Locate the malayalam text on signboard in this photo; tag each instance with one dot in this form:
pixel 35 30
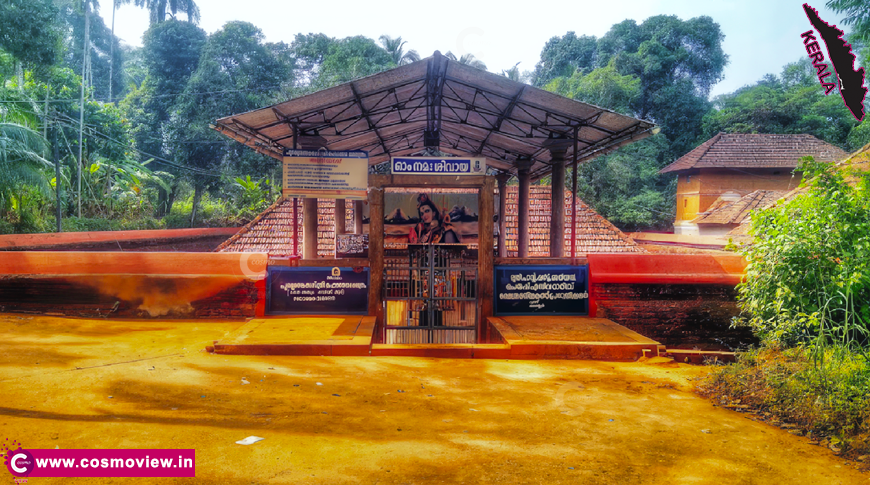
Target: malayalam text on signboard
pixel 438 166
pixel 326 174
pixel 552 290
pixel 318 291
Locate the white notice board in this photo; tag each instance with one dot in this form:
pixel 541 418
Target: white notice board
pixel 326 174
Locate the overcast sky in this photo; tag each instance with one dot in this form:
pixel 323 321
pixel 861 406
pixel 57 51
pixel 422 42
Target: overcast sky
pixel 761 36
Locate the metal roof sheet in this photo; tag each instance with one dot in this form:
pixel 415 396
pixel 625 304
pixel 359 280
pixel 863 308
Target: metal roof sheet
pixel 474 112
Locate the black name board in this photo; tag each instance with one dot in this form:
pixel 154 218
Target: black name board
pixel 544 290
pixel 351 245
pixel 317 291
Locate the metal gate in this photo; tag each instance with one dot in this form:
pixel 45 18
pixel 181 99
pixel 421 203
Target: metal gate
pixel 430 294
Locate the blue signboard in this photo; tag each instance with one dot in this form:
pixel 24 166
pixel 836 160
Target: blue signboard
pixel 541 290
pixel 317 291
pixel 438 166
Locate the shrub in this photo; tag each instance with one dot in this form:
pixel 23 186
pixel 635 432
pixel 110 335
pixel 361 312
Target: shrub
pixel 212 212
pixel 822 394
pixel 808 277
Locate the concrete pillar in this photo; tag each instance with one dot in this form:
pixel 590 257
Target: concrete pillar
pixel 502 179
pixel 309 228
pixel 357 217
pixel 309 205
pixel 340 217
pixel 524 166
pixel 557 147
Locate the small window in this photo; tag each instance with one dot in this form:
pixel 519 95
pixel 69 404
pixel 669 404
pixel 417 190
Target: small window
pixel 688 178
pixel 685 203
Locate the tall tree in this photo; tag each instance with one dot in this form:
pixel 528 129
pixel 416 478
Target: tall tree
pixel 792 103
pixel 677 62
pixel 115 5
pixel 467 59
pixel 29 31
pixel 662 70
pixel 603 87
pixel 237 72
pixel 158 9
pixel 170 55
pixel 562 56
pixel 352 58
pixel 394 48
pixel 100 50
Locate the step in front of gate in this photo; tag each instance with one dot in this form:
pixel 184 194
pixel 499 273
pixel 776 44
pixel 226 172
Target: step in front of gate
pixel 444 351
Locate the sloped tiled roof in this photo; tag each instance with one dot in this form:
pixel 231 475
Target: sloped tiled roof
pixel 595 234
pixel 735 212
pixel 272 231
pixel 734 150
pixel 857 162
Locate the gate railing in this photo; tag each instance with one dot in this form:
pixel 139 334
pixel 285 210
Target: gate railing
pixel 430 294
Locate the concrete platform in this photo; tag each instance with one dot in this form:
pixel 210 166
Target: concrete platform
pixel 566 337
pixel 304 335
pixel 525 337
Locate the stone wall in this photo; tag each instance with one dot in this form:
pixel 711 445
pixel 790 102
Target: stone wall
pixel 682 301
pixel 133 285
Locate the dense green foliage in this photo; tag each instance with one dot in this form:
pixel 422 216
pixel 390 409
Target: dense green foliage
pixel 661 70
pixel 29 31
pixel 789 103
pixel 819 395
pixel 807 296
pixel 808 278
pixel 170 90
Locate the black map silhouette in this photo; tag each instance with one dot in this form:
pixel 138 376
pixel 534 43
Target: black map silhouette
pixel 840 53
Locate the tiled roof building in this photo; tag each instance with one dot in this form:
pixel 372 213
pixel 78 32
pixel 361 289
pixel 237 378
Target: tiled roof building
pixel 730 166
pixel 857 162
pixel 726 214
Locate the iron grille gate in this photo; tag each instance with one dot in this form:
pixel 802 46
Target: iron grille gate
pixel 430 294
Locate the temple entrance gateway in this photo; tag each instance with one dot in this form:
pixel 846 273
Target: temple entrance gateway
pixel 431 237
pixel 431 294
pixel 441 125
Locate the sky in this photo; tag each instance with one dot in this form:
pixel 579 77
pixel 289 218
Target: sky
pixel 761 36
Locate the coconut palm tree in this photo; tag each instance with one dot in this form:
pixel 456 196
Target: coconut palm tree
pixel 468 60
pixel 513 73
pixel 394 48
pixel 21 165
pixel 116 4
pixel 159 8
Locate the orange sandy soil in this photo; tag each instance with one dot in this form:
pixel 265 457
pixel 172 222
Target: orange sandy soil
pixel 131 384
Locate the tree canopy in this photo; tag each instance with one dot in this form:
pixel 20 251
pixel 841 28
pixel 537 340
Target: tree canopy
pixel 791 103
pixel 29 31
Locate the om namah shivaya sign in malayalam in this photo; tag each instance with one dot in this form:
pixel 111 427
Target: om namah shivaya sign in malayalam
pixel 326 174
pixel 438 166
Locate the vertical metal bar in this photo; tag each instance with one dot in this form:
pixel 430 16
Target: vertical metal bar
pixel 431 303
pixel 295 227
pixel 574 198
pixel 295 203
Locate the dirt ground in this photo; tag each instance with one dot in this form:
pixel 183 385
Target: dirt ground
pixel 129 384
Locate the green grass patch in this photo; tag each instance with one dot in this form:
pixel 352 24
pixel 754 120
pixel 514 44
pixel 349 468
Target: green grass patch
pixel 823 394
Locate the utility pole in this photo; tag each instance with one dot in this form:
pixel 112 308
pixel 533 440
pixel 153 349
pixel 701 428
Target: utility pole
pixel 57 174
pixel 112 50
pixel 85 53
